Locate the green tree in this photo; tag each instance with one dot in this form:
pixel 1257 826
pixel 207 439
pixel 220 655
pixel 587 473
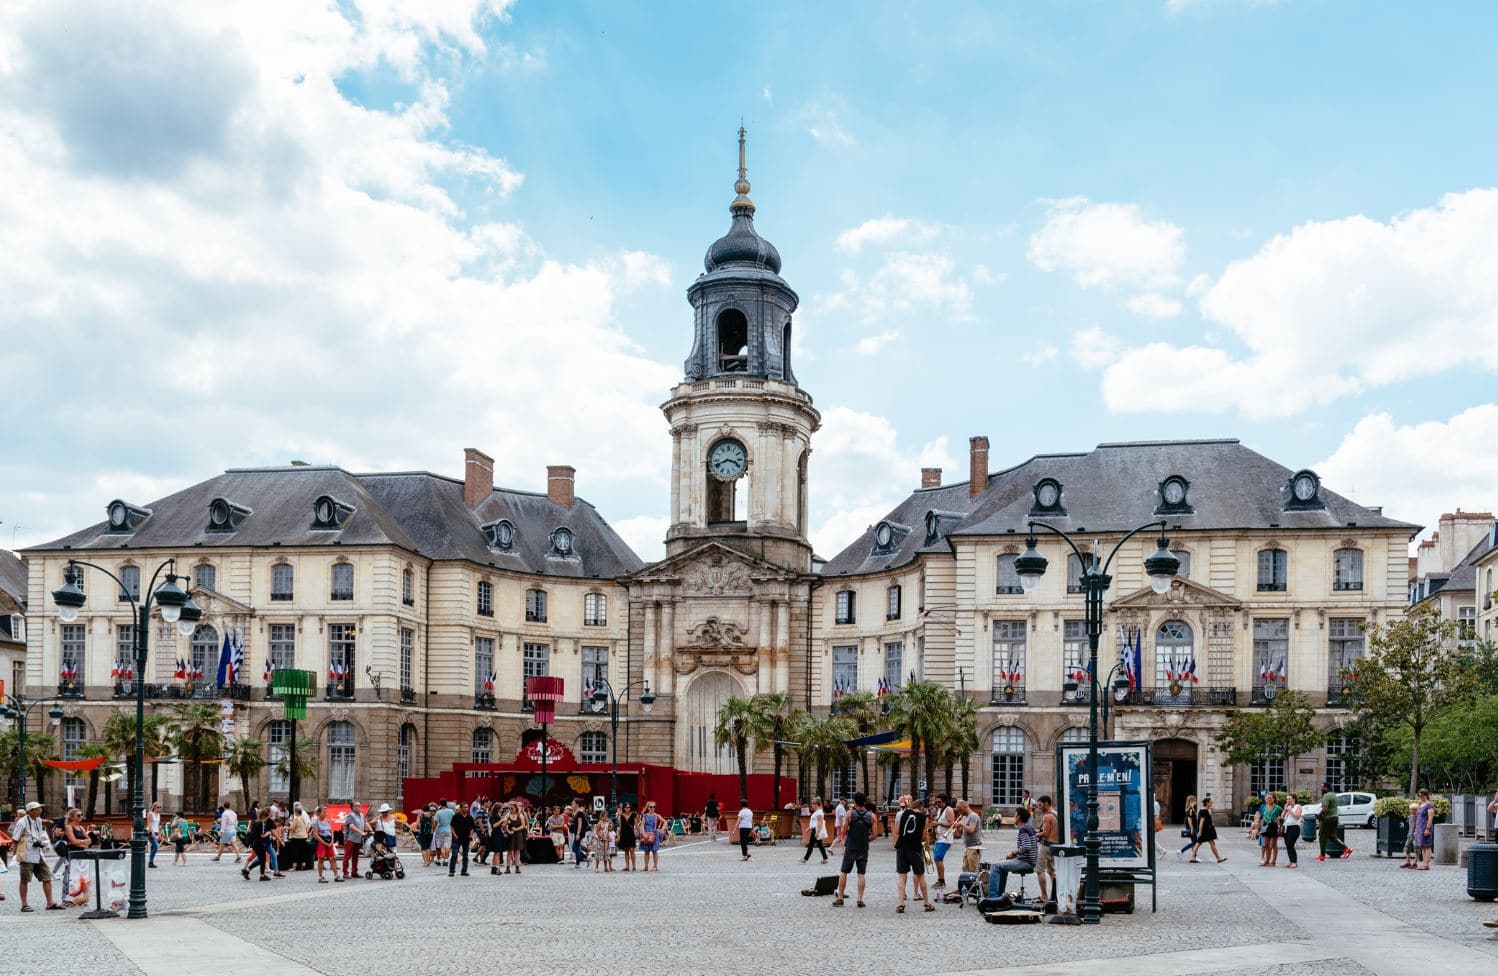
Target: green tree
pixel 734 728
pixel 1283 729
pixel 157 744
pixel 94 750
pixel 822 738
pixel 118 739
pixel 196 736
pixel 964 720
pixel 1460 746
pixel 775 721
pixel 245 758
pixel 1412 675
pixel 919 711
pixel 306 761
pixel 862 711
pixel 38 748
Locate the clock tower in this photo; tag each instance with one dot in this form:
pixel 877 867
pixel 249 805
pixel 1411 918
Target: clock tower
pixel 740 424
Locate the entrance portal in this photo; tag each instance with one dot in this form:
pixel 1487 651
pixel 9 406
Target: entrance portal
pixel 697 720
pixel 1175 776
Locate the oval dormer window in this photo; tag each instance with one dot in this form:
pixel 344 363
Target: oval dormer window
pixel 218 514
pixel 884 535
pixel 325 510
pixel 119 515
pixel 561 541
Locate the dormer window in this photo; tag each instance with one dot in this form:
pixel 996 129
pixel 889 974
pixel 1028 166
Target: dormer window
pixel 561 543
pixel 1303 492
pixel 501 535
pixel 1047 498
pixel 1173 500
pixel 330 513
pixel 933 526
pixel 225 516
pixel 887 537
pixel 124 517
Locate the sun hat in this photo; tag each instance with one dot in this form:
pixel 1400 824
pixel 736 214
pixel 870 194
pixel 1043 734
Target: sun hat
pixel 33 805
pixel 384 808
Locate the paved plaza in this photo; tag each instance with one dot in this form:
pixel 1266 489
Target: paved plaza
pixel 708 912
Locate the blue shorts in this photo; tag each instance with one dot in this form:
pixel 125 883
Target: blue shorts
pixel 939 850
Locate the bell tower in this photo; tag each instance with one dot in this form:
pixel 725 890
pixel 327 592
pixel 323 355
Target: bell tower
pixel 741 426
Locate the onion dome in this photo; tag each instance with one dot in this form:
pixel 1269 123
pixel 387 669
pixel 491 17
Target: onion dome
pixel 742 245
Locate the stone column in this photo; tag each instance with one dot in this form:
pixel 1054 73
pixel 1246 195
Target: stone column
pixel 764 652
pixel 648 639
pixel 783 645
pixel 667 667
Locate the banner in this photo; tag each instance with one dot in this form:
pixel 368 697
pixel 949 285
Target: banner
pixel 1125 802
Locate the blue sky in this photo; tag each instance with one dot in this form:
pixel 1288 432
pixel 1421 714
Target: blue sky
pixel 374 233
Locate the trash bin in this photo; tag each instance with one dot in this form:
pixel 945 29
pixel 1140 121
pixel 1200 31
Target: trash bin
pixel 1069 863
pixel 1308 829
pixel 1393 831
pixel 1482 871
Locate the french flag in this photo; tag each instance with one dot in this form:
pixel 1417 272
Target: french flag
pixel 114 670
pixel 1284 673
pixel 489 681
pixel 268 671
pixel 1191 672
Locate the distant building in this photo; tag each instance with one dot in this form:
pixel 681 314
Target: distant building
pixel 1455 567
pixel 12 622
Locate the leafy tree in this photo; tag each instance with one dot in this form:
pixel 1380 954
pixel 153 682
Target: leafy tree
pixel 118 739
pixel 245 758
pixel 1412 676
pixel 862 711
pixel 157 743
pixel 822 738
pixel 964 735
pixel 195 733
pixel 1284 729
pixel 735 729
pixel 919 711
pixel 1460 746
pixel 38 748
pixel 775 720
pixel 306 762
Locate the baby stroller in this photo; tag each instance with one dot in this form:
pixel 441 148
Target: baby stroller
pixel 383 860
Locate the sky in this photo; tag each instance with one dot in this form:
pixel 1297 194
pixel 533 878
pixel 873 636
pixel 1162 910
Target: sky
pixel 375 232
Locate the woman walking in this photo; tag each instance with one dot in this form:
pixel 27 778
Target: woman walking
pixel 625 835
pixel 322 829
pixel 1206 832
pixel 1188 828
pixel 424 828
pixel 816 831
pixel 257 839
pixel 651 826
pixel 153 833
pixel 1272 811
pixel 1290 828
pixel 181 832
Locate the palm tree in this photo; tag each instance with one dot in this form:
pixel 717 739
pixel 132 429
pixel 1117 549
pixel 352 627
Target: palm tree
pixel 118 740
pixel 245 759
pixel 38 748
pixel 735 729
pixel 861 709
pixel 195 733
pixel 919 711
pixel 94 750
pixel 965 735
pixel 306 761
pixel 157 744
pixel 822 740
pixel 774 720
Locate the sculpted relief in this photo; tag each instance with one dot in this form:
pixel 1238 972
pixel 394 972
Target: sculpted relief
pixel 717 576
pixel 715 633
pixel 716 643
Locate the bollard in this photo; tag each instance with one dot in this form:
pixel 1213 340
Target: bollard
pixel 1447 841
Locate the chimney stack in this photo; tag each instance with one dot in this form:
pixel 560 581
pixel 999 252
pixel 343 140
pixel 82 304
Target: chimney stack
pixel 559 483
pixel 478 476
pixel 977 482
pixel 931 477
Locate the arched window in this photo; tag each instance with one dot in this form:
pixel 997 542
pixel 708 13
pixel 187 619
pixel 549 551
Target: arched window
pixel 1272 570
pixel 1074 733
pixel 483 745
pixel 1008 766
pixel 408 587
pixel 593 747
pixel 74 735
pixel 343 581
pixel 205 576
pixel 733 342
pixel 130 577
pixel 595 610
pixel 278 754
pixel 341 756
pixel 1175 657
pixel 403 742
pixel 205 650
pixel 1347 569
pixel 1073 573
pixel 535 606
pixel 485 598
pixel 282 582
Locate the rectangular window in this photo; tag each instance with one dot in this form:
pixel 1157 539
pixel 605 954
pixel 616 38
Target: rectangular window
pixel 341 660
pixel 535 606
pixel 408 588
pixel 1008 655
pixel 894 664
pixel 1266 774
pixel 1345 635
pixel 892 603
pixel 278 738
pixel 1074 657
pixel 595 668
pixel 130 576
pixel 124 644
pixel 1008 577
pixel 281 577
pixel 486 599
pixel 282 646
pixel 1008 767
pixel 343 581
pixel 341 761
pixel 1272 571
pixel 847 607
pixel 920 659
pixel 537 660
pixel 1347 569
pixel 1342 761
pixel 408 656
pixel 595 610
pixel 1073 573
pixel 844 669
pixel 402 759
pixel 1466 626
pixel 1271 654
pixel 206 577
pixel 483 665
pixel 74 650
pixel 1185 557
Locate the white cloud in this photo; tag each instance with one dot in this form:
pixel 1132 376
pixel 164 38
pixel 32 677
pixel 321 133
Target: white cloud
pixel 906 283
pixel 1094 349
pixel 1335 308
pixel 1417 471
pixel 645 534
pixel 884 230
pixel 859 472
pixel 1107 244
pixel 767 95
pixel 250 267
pixel 870 345
pixel 1153 305
pixel 823 122
pixel 1041 355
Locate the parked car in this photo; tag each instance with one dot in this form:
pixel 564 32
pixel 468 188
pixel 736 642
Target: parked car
pixel 1353 809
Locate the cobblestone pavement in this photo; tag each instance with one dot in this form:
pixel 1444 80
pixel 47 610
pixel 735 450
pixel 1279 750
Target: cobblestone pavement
pixel 708 912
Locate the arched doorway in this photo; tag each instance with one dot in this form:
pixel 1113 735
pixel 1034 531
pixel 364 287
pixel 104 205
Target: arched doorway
pixel 1175 776
pixel 696 722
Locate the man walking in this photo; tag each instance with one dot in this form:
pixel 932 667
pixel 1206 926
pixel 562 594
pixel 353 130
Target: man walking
pixel 746 827
pixel 1045 863
pixel 910 855
pixel 1326 823
pixel 816 832
pixel 30 834
pixel 859 829
pixel 462 827
pixel 580 826
pixel 353 840
pixel 228 832
pixel 840 820
pixel 710 814
pixel 944 819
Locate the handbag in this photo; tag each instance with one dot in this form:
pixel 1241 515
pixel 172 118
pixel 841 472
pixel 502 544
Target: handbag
pixel 648 837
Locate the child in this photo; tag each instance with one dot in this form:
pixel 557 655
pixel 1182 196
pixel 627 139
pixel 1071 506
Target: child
pixel 603 849
pixel 180 830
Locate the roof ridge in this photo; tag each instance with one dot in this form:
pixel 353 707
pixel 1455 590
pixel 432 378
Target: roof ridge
pixel 1170 443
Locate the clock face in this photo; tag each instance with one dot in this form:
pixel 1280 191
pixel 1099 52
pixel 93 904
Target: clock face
pixel 883 534
pixel 117 515
pixel 1305 487
pixel 727 460
pixel 1047 494
pixel 1175 492
pixel 504 534
pixel 562 540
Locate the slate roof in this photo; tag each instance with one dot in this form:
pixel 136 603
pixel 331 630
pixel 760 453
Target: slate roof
pixel 1114 488
pixel 418 511
pixel 1462 576
pixel 13 576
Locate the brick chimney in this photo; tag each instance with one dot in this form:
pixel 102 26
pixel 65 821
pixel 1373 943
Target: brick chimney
pixel 977 482
pixel 559 482
pixel 478 476
pixel 931 477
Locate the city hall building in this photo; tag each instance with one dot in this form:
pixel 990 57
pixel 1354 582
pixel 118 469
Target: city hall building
pixel 422 602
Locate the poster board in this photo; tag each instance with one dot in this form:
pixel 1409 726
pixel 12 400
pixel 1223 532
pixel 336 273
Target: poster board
pixel 1126 823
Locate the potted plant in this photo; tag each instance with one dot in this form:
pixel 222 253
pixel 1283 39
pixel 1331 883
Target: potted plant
pixel 1391 819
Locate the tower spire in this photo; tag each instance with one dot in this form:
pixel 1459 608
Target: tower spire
pixel 742 203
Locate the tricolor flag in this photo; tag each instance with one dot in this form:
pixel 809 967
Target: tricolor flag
pixel 332 672
pixel 489 682
pixel 180 671
pixel 225 674
pixel 67 673
pixel 1191 671
pixel 114 670
pixel 1284 673
pixel 268 671
pixel 1170 672
pixel 1264 672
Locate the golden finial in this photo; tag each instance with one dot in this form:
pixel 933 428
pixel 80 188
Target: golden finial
pixel 741 187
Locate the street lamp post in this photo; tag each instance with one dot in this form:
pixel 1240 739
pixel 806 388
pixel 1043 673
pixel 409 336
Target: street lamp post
pixel 1160 567
pixel 1117 681
pixel 176 608
pixel 604 697
pixel 17 706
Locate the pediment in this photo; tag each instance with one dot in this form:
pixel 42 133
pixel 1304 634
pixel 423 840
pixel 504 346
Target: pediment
pixel 1182 593
pixel 713 569
pixel 215 604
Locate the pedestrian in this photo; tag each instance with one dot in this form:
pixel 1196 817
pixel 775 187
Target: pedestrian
pixel 29 832
pixel 603 845
pixel 181 830
pixel 910 858
pixel 482 831
pixel 275 845
pixel 1188 827
pixel 228 832
pixel 516 829
pixel 1023 858
pixel 626 834
pixel 461 826
pixel 652 825
pixel 1409 836
pixel 1425 831
pixel 556 825
pixel 354 827
pixel 1290 828
pixel 1271 813
pixel 840 820
pixel 710 814
pixel 74 838
pixel 971 826
pixel 1493 812
pixel 1206 832
pixel 746 827
pixel 153 833
pixel 944 819
pixel 1047 834
pixel 1326 823
pixel 581 825
pixel 816 833
pixel 860 830
pixel 322 836
pixel 257 839
pixel 442 832
pixel 299 838
pixel 1029 804
pixel 424 828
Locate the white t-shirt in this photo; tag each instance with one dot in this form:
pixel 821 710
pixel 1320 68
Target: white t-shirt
pixel 841 813
pixel 153 823
pixel 946 825
pixel 819 824
pixel 746 818
pixel 228 823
